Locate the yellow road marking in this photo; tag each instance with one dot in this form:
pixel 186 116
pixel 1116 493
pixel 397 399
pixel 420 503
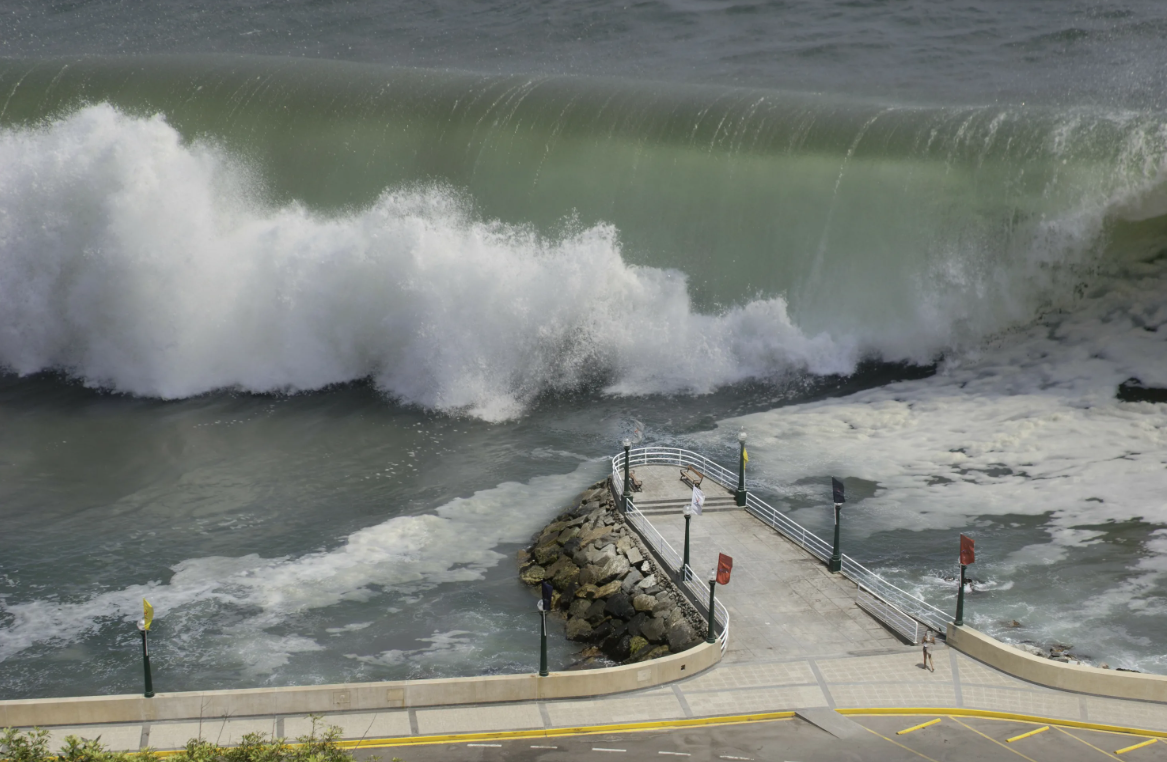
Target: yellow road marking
pixel 991 715
pixel 1082 740
pixel 897 743
pixel 918 727
pixel 1027 735
pixel 626 727
pixel 994 740
pixel 1136 746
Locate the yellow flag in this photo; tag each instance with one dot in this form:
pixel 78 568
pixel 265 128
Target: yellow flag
pixel 148 612
pixel 745 456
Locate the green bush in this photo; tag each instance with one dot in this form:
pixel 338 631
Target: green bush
pixel 33 746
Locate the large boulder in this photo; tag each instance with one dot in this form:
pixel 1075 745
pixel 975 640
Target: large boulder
pixel 634 555
pixel 681 635
pixel 608 590
pixel 648 654
pixel 579 607
pixel 532 575
pixel 621 649
pixel 566 535
pixel 594 613
pixel 590 574
pixel 546 553
pixel 653 629
pixel 630 580
pixel 636 645
pixel 643 602
pixel 636 622
pixel 567 574
pixel 578 629
pixel 614 570
pixel 619 605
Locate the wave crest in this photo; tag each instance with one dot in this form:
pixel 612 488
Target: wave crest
pixel 141 263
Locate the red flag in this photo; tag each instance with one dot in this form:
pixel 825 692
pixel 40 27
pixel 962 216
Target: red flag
pixel 724 567
pixel 967 556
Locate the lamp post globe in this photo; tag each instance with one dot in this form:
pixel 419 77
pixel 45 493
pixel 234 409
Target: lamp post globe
pixel 627 474
pixel 740 495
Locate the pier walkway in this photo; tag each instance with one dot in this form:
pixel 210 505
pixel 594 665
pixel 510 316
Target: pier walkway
pixel 797 642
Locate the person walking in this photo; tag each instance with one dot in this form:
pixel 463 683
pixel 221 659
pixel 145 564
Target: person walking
pixel 929 641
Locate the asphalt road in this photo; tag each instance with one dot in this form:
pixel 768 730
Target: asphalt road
pixel 795 740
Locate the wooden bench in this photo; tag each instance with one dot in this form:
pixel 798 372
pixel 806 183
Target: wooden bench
pixel 637 485
pixel 692 476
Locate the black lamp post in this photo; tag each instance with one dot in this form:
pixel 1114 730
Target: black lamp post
pixel 836 562
pixel 627 474
pixel 144 628
pixel 685 562
pixel 544 605
pixel 710 637
pixel 959 621
pixel 740 495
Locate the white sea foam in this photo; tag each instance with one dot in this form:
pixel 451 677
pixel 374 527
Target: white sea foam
pixel 1026 425
pixel 406 554
pixel 138 262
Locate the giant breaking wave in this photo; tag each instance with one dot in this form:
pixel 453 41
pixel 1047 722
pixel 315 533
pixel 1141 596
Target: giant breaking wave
pixel 141 263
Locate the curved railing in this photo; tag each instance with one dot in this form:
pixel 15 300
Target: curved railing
pixel 903 607
pixel 682 575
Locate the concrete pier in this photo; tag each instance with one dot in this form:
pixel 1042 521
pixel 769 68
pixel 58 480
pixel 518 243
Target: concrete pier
pixel 782 602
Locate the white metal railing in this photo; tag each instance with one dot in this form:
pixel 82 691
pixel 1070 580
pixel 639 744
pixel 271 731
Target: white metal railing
pixel 870 584
pixel 889 614
pixel 698 592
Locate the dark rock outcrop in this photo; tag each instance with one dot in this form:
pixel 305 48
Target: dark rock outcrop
pixel 608 585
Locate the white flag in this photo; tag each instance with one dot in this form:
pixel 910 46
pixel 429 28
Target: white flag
pixel 698 500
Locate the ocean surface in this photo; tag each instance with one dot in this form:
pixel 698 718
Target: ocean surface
pixel 311 313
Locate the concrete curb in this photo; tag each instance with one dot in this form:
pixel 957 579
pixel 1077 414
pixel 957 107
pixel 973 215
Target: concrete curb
pixel 1053 674
pixel 358 696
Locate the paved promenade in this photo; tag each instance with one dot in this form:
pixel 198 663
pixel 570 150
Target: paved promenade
pixel 797 641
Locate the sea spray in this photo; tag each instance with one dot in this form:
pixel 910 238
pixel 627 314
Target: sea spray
pixel 137 262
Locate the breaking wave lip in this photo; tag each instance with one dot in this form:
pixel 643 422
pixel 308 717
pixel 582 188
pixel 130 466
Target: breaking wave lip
pixel 139 263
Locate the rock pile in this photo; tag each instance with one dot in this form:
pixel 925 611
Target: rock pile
pixel 607 584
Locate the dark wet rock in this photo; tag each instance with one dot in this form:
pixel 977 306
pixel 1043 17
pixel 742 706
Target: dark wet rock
pixel 651 653
pixel 607 587
pixel 566 575
pixel 546 554
pixel 630 580
pixel 619 605
pixel 595 611
pixel 653 629
pixel 1134 390
pixel 681 635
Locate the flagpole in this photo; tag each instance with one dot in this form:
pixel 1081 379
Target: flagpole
pixel 740 495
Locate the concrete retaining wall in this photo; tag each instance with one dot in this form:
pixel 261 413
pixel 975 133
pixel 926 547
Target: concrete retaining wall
pixel 1067 677
pixel 358 696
